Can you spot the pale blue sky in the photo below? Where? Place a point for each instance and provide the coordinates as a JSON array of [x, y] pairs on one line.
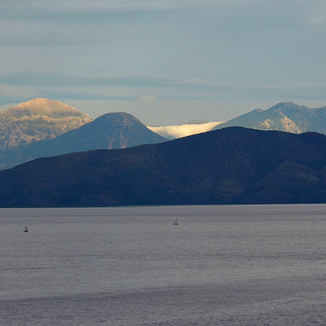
[[165, 62]]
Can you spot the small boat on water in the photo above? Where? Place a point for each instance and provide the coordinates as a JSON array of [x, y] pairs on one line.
[[25, 229], [176, 222]]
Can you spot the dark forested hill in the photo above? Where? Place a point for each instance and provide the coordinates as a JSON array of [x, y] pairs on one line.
[[229, 166]]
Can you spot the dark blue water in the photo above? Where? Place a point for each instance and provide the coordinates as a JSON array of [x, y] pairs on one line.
[[222, 265]]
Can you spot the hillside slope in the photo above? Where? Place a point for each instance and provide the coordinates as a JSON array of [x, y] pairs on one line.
[[36, 120], [109, 131], [228, 166], [286, 116]]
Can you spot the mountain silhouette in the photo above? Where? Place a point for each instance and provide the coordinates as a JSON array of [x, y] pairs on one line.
[[228, 166], [286, 116], [109, 131]]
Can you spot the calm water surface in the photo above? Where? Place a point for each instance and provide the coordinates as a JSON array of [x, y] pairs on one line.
[[222, 265]]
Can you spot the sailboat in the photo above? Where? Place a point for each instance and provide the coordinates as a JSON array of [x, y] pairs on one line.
[[176, 222], [25, 229]]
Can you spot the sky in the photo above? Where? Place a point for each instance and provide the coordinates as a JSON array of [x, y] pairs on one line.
[[165, 62]]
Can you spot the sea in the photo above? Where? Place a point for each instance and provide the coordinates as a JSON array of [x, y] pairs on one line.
[[221, 265]]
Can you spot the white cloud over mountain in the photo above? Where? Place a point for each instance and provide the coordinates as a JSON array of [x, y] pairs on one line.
[[178, 131]]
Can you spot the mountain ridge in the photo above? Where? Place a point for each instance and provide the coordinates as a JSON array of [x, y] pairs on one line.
[[109, 131], [36, 120], [284, 116], [228, 166], [39, 106]]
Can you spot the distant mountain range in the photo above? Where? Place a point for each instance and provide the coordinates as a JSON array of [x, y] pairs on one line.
[[36, 120], [109, 131], [44, 128], [41, 128], [287, 116], [229, 166]]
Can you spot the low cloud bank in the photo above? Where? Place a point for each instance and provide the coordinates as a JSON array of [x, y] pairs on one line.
[[179, 131]]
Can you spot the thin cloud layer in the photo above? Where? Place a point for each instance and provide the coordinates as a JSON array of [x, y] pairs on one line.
[[238, 51], [178, 131]]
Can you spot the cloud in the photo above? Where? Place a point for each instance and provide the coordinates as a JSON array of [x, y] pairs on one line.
[[147, 98], [48, 79], [316, 14], [54, 79], [16, 94], [313, 85], [319, 19], [83, 94], [236, 50], [178, 131], [77, 6], [96, 11], [185, 16], [130, 87]]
